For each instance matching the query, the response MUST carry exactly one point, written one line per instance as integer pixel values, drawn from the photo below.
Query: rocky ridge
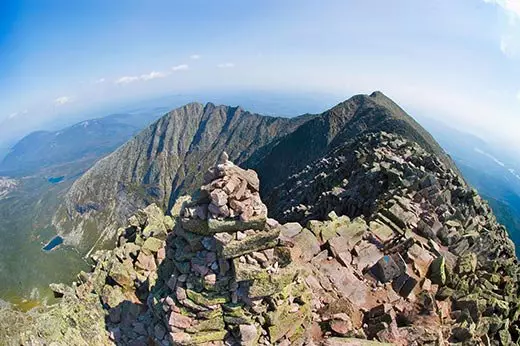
(168, 159)
(423, 235)
(424, 262)
(161, 163)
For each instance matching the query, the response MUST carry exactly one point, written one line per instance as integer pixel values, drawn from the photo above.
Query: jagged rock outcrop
(424, 257)
(423, 262)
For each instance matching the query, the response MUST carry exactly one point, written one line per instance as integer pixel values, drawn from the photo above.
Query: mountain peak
(377, 94)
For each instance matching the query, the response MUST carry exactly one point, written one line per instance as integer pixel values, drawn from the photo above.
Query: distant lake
(55, 180)
(57, 240)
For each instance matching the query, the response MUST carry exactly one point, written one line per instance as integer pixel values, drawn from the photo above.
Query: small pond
(57, 240)
(56, 180)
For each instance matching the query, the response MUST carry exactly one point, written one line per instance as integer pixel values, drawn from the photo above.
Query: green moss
(204, 337)
(283, 322)
(206, 299)
(256, 242)
(268, 284)
(218, 226)
(214, 324)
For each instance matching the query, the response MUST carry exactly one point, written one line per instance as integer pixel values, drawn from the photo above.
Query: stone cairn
(232, 280)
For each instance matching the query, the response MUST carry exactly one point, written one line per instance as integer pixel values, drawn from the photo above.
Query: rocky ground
(6, 185)
(420, 261)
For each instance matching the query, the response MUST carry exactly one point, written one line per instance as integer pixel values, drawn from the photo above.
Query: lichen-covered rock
(438, 271)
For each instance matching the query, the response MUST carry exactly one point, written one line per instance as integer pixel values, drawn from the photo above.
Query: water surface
(56, 241)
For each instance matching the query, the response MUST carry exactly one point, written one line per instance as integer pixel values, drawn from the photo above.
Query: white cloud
(180, 67)
(62, 100)
(144, 77)
(195, 57)
(99, 81)
(153, 75)
(511, 6)
(127, 79)
(226, 65)
(510, 39)
(510, 44)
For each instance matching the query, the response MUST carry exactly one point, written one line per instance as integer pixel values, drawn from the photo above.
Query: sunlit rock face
(6, 186)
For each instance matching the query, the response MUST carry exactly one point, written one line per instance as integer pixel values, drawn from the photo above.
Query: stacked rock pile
(231, 279)
(215, 273)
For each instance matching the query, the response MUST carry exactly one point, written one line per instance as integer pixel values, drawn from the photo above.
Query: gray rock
(248, 334)
(290, 229)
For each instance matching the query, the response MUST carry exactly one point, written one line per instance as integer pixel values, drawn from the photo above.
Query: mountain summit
(166, 160)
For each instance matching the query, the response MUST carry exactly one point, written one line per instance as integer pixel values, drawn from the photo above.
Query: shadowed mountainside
(163, 161)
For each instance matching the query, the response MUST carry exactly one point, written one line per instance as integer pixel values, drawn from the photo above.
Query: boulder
(152, 245)
(467, 263)
(438, 271)
(290, 229)
(308, 243)
(388, 268)
(248, 334)
(122, 275)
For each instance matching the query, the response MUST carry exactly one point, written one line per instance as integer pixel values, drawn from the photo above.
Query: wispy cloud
(127, 80)
(15, 115)
(60, 101)
(100, 80)
(195, 57)
(180, 67)
(153, 75)
(144, 77)
(226, 65)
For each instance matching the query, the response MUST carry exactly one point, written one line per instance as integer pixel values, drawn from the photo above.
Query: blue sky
(457, 61)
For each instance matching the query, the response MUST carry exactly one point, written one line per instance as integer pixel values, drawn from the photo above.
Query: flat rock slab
(346, 283)
(291, 229)
(256, 242)
(212, 226)
(308, 244)
(217, 226)
(352, 342)
(367, 255)
(381, 231)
